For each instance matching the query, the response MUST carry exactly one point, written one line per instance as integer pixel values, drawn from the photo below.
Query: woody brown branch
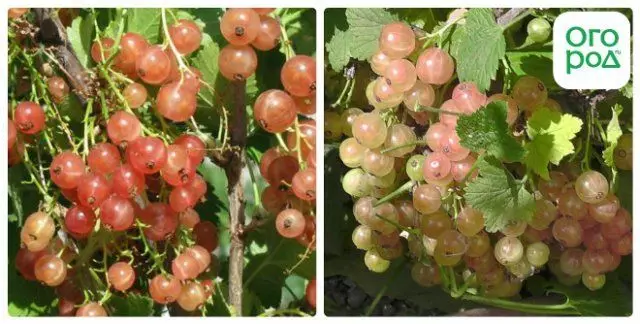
(233, 170)
(53, 35)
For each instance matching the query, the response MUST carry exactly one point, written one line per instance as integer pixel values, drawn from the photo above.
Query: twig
(53, 33)
(181, 65)
(512, 16)
(233, 171)
(307, 253)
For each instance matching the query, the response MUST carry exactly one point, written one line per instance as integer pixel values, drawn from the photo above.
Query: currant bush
(425, 169)
(124, 149)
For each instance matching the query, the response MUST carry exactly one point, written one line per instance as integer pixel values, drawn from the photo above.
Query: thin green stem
(182, 66)
(462, 290)
(527, 42)
(157, 258)
(473, 169)
(350, 93)
(290, 18)
(96, 278)
(557, 309)
(85, 138)
(121, 98)
(264, 263)
(443, 90)
(452, 278)
(444, 275)
(587, 147)
(433, 37)
(254, 184)
(395, 194)
(601, 130)
(454, 204)
(104, 263)
(288, 50)
(507, 72)
(33, 173)
(281, 142)
(382, 291)
(224, 301)
(53, 148)
(40, 84)
(398, 226)
(438, 110)
(393, 148)
(343, 93)
(298, 142)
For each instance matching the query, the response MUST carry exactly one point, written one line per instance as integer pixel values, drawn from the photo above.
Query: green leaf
(365, 26)
(71, 109)
(424, 18)
(80, 35)
(146, 22)
(293, 291)
(210, 18)
(206, 61)
(28, 298)
(131, 305)
(24, 199)
(301, 29)
(479, 40)
(487, 129)
(16, 175)
(113, 28)
(251, 305)
(551, 133)
(216, 206)
(218, 307)
(627, 90)
(499, 196)
(338, 49)
(218, 95)
(537, 64)
(181, 14)
(445, 41)
(360, 39)
(613, 134)
(270, 258)
(614, 299)
(539, 154)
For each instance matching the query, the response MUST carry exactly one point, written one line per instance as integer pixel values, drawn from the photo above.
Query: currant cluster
(129, 200)
(157, 65)
(122, 219)
(124, 195)
(409, 170)
(290, 168)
